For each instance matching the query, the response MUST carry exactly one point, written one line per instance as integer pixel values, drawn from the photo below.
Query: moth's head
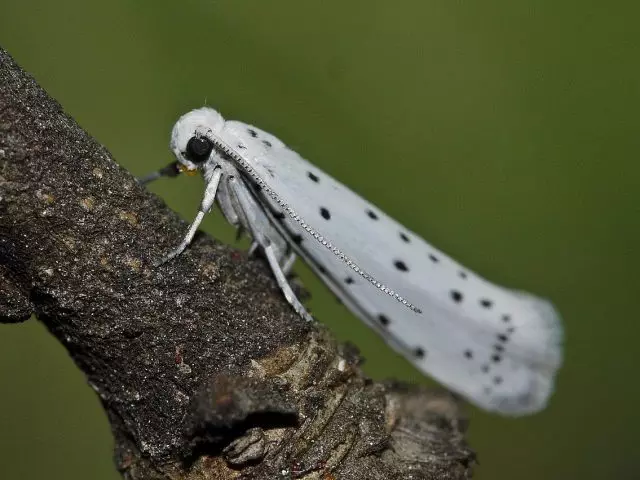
(191, 138)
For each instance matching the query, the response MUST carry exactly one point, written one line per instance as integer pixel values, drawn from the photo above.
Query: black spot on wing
(325, 213)
(384, 320)
(372, 215)
(267, 143)
(419, 352)
(313, 177)
(400, 265)
(456, 296)
(433, 258)
(468, 354)
(252, 132)
(348, 280)
(404, 237)
(486, 303)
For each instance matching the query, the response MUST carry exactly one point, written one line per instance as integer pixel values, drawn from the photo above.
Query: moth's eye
(199, 149)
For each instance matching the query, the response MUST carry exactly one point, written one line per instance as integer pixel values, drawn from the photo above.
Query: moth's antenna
(310, 230)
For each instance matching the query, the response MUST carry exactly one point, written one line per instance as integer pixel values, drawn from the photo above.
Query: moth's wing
(486, 363)
(498, 347)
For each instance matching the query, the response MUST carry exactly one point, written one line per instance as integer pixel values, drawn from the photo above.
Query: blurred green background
(504, 132)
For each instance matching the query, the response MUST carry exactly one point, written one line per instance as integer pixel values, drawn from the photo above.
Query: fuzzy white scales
(499, 348)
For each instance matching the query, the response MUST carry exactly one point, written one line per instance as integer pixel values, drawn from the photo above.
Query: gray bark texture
(203, 368)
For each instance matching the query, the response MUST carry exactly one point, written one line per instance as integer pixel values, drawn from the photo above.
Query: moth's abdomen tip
(520, 378)
(546, 329)
(531, 400)
(546, 334)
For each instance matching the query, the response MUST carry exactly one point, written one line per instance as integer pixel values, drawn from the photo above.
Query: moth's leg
(287, 265)
(254, 215)
(206, 204)
(170, 170)
(253, 248)
(283, 283)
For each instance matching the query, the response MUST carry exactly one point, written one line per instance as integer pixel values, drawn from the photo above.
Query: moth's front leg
(206, 204)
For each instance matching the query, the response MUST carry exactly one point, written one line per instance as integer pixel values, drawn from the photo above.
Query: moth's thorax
(205, 122)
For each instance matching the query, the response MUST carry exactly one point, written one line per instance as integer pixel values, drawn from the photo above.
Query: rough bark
(203, 368)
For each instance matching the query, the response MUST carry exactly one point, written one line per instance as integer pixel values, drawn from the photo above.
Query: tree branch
(203, 368)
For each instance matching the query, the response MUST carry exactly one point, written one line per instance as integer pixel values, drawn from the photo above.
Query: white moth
(499, 348)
